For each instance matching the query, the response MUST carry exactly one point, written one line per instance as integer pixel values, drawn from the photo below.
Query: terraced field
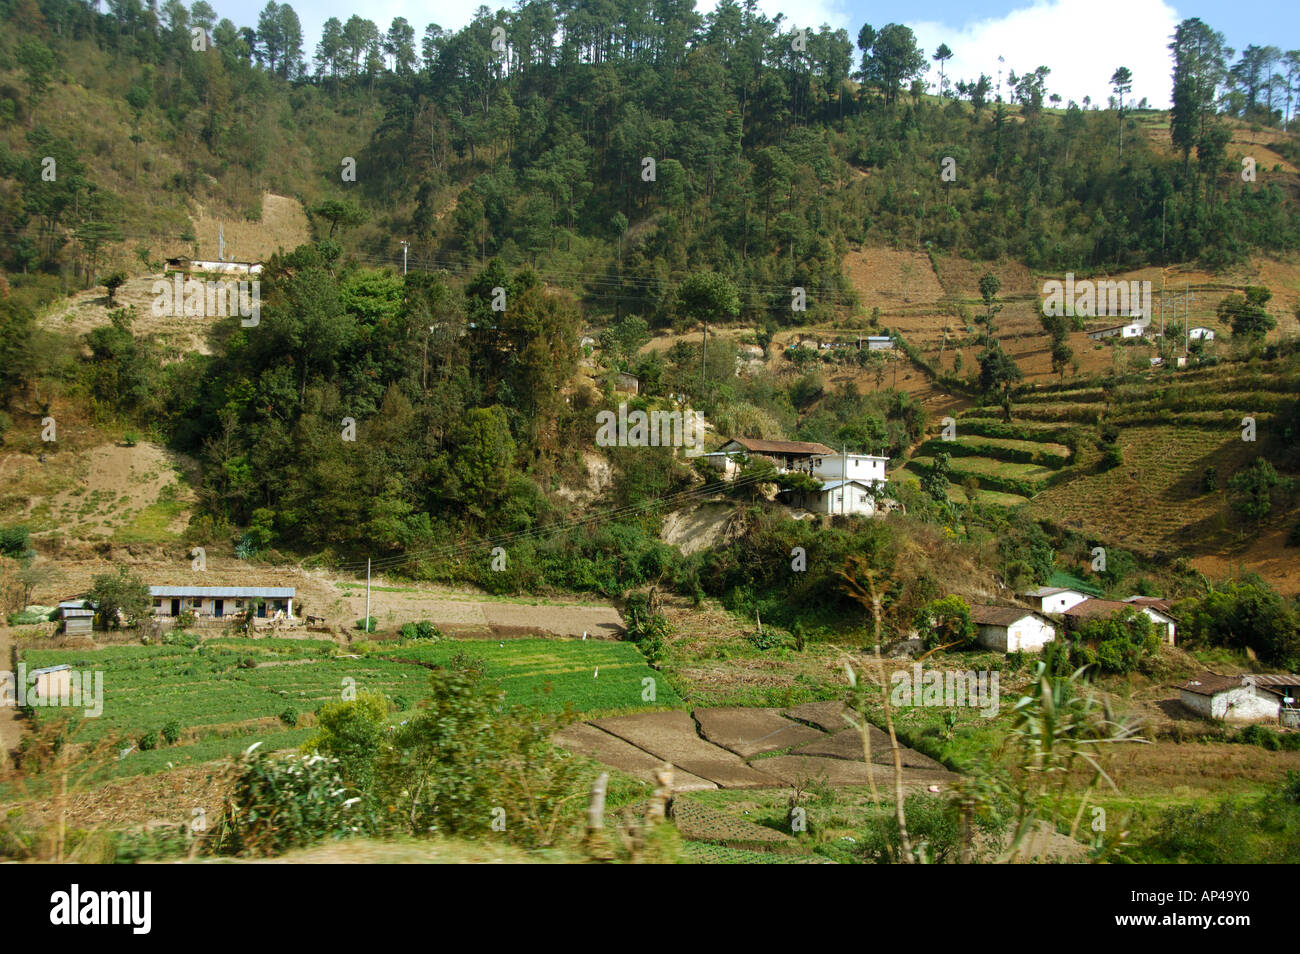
(1172, 427)
(1153, 502)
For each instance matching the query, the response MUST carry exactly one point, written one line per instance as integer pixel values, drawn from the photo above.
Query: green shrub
(369, 624)
(293, 801)
(289, 717)
(768, 639)
(946, 622)
(15, 542)
(349, 733)
(171, 731)
(421, 630)
(148, 741)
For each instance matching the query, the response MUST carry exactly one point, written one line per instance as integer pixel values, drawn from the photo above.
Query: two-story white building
(850, 483)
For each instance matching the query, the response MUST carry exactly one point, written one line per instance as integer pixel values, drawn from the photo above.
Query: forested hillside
(627, 166)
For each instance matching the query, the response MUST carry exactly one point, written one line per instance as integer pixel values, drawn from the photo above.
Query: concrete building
(1132, 329)
(1010, 629)
(1092, 608)
(220, 601)
(1055, 599)
(191, 266)
(784, 455)
(1251, 697)
(1159, 610)
(840, 497)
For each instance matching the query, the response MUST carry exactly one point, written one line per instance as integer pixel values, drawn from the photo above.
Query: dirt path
(11, 726)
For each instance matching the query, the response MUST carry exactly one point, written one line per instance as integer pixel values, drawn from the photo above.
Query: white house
(846, 466)
(189, 266)
(220, 601)
(1200, 333)
(785, 455)
(1133, 329)
(878, 343)
(1055, 599)
(1158, 609)
(1251, 697)
(1010, 629)
(850, 482)
(840, 496)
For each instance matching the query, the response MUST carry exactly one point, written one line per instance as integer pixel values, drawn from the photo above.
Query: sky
(1083, 41)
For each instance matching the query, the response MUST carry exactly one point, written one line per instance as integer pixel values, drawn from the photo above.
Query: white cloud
(1082, 41)
(807, 13)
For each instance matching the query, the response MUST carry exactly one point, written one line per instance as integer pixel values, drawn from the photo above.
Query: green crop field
(205, 687)
(984, 466)
(225, 694)
(552, 673)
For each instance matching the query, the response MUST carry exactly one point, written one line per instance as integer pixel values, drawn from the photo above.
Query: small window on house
(239, 604)
(157, 603)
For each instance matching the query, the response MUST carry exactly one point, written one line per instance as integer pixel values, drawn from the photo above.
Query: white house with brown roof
(1250, 697)
(785, 455)
(1159, 610)
(1010, 629)
(1156, 610)
(1055, 599)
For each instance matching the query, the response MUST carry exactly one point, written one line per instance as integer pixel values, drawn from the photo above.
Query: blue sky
(1081, 40)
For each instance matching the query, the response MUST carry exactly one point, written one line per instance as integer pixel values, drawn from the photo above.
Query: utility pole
(1162, 303)
(405, 245)
(367, 594)
(424, 378)
(704, 358)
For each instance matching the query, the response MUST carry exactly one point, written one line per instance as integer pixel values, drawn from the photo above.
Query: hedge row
(992, 427)
(1010, 485)
(1016, 455)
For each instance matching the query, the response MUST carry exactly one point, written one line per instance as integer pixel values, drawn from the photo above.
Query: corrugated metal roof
(1276, 679)
(223, 592)
(69, 613)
